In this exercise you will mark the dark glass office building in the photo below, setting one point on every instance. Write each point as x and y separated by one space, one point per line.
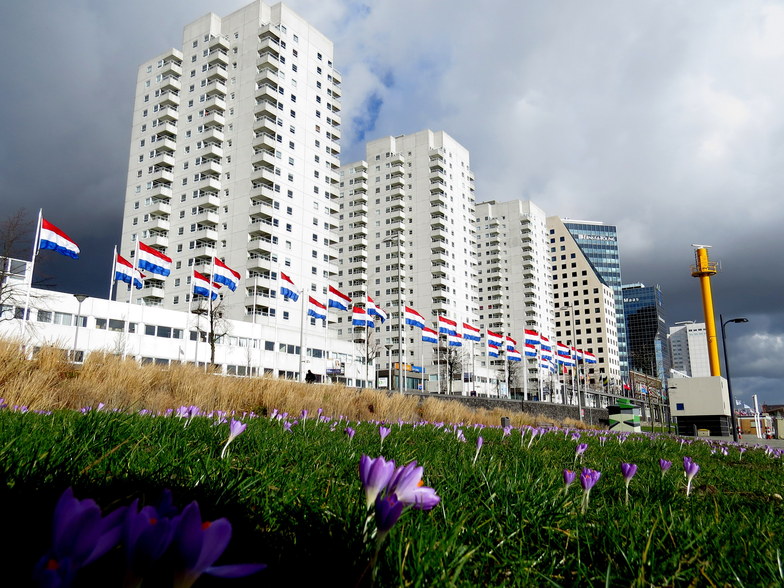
646 330
599 244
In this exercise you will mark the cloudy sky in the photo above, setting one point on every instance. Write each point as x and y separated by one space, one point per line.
663 118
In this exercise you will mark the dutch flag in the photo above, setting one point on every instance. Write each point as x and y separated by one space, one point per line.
494 339
336 299
153 261
429 335
374 310
447 326
454 340
471 333
203 287
287 287
50 237
316 309
125 272
532 338
413 318
360 318
223 274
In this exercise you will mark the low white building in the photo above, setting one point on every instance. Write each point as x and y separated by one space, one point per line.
157 335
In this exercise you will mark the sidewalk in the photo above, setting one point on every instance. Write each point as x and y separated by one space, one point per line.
751 440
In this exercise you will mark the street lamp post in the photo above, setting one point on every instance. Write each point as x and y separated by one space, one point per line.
81 298
733 427
568 307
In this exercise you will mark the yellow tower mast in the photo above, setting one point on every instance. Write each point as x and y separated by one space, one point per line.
703 270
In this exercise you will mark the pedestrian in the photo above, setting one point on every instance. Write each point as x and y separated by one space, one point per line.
310 377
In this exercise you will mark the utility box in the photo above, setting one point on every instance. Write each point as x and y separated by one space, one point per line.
624 416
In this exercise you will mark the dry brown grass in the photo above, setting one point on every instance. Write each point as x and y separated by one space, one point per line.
49 382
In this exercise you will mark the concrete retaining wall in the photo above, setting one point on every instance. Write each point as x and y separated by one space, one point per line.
548 412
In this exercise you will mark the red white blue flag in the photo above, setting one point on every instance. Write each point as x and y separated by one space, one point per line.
447 326
374 310
414 318
429 335
223 274
316 309
153 261
203 287
125 272
287 287
471 333
51 237
336 299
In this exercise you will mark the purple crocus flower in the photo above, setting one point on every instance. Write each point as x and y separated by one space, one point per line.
198 544
568 476
579 450
664 465
628 470
388 511
383 433
588 479
406 483
80 535
147 534
690 469
375 475
287 426
350 432
741 450
235 428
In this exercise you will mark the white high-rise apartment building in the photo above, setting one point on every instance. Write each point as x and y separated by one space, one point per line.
234 153
689 350
515 289
584 305
412 197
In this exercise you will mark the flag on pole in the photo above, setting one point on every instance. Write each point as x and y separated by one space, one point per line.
447 326
429 335
454 340
53 238
589 357
374 310
153 261
530 350
287 287
564 355
513 355
223 274
360 318
511 344
471 333
414 318
494 339
532 337
336 299
203 287
125 272
316 309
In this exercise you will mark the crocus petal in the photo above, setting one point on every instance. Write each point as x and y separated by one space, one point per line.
234 571
217 535
375 475
388 511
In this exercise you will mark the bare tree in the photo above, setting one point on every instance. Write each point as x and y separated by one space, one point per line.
450 366
14 237
217 326
368 347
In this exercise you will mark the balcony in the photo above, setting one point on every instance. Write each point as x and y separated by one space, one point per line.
262 156
171 83
159 223
215 102
160 208
269 42
216 88
166 144
162 159
171 68
218 56
262 174
261 245
439 255
151 292
267 91
263 140
169 98
265 124
213 133
214 118
217 72
266 107
157 241
206 217
168 113
204 251
260 263
160 192
210 167
213 150
262 195
218 44
162 174
268 59
208 185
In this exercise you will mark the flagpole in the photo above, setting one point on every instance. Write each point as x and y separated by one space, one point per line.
113 266
29 279
302 337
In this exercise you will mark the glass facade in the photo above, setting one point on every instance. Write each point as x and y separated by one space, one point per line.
646 330
599 244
